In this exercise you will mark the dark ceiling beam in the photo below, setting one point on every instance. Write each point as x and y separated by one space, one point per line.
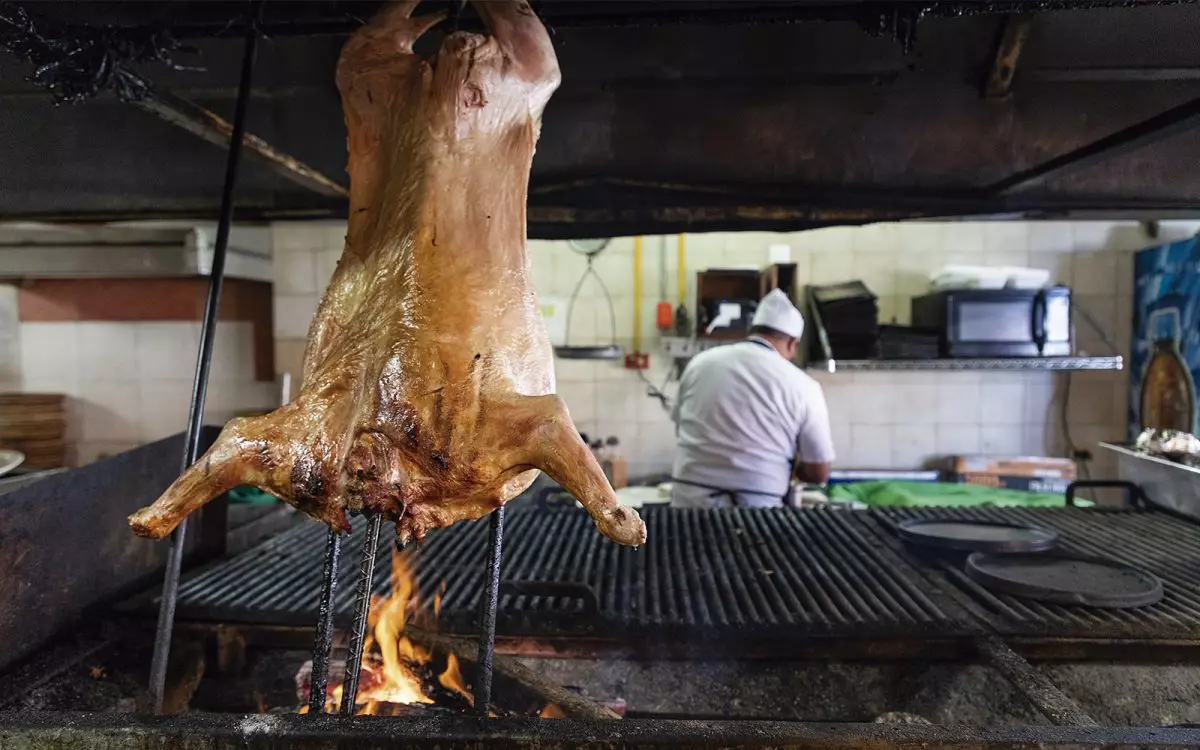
1008 51
1181 119
575 217
1108 75
210 18
216 130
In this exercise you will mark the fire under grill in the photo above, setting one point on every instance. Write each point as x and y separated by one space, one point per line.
750 573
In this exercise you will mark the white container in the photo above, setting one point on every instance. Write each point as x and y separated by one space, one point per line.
988 277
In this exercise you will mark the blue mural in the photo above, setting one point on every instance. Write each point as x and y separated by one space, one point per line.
1166 337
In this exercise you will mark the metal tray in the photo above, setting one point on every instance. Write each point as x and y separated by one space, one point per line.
976 536
1165 483
1066 579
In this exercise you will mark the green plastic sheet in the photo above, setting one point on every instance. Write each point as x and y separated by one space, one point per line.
943 495
250 496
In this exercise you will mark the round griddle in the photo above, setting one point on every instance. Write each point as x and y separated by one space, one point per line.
1066 579
976 536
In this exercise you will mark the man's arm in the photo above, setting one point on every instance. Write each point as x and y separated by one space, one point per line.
813 473
815 442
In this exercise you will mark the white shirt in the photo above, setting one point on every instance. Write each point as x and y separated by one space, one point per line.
741 414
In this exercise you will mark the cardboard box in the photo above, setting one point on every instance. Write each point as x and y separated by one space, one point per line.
1027 473
617 471
1022 466
1025 484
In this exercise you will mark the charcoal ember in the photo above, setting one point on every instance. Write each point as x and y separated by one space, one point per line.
900 717
113 679
77 692
268 682
303 680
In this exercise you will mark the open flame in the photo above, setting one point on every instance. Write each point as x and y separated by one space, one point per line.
394 669
391 663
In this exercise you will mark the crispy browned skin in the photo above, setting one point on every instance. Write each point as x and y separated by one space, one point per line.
428 390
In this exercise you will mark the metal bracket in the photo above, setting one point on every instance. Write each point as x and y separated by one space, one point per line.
489 601
1035 686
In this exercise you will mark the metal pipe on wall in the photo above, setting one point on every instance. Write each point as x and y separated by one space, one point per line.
681 269
637 293
191 450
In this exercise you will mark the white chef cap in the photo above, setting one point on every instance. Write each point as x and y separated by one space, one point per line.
777 311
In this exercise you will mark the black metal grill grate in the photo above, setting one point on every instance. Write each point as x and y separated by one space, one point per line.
1157 542
756 572
753 573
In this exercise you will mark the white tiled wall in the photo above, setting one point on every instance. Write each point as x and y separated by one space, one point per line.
131 383
879 419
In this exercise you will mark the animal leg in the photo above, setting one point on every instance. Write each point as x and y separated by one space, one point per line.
548 440
524 40
223 467
261 452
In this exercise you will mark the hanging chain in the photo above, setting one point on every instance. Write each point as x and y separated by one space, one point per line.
75 62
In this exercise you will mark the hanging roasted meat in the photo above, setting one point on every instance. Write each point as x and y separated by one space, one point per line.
428 392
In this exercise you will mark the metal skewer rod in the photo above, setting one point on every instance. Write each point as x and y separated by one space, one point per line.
191 439
324 641
362 608
488 602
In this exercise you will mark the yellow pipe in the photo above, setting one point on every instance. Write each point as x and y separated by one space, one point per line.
682 272
637 293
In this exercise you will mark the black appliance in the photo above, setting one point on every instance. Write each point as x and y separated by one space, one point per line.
847 317
906 342
998 322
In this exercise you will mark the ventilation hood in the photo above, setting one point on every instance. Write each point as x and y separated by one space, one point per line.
132 250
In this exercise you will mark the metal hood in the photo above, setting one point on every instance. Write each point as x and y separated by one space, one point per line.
130 250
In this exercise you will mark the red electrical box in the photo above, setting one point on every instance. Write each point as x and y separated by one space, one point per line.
665 316
637 361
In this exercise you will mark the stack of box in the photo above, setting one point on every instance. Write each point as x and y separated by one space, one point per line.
1028 473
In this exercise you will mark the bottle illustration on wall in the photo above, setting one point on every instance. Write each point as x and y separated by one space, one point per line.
1168 397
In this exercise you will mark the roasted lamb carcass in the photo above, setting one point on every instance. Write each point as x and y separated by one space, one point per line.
428 392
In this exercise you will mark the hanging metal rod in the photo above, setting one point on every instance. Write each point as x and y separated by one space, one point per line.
211 127
489 600
362 611
191 442
319 679
1181 119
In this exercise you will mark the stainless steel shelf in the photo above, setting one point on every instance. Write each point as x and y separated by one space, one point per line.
1010 364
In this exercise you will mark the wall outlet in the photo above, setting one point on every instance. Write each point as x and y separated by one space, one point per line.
637 361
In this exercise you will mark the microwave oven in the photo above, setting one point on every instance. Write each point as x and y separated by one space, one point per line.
998 322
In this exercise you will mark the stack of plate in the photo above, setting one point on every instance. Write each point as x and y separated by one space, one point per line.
34 424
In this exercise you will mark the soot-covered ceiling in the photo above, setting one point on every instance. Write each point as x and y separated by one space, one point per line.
673 115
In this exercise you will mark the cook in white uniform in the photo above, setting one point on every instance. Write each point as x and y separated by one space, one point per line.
746 418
